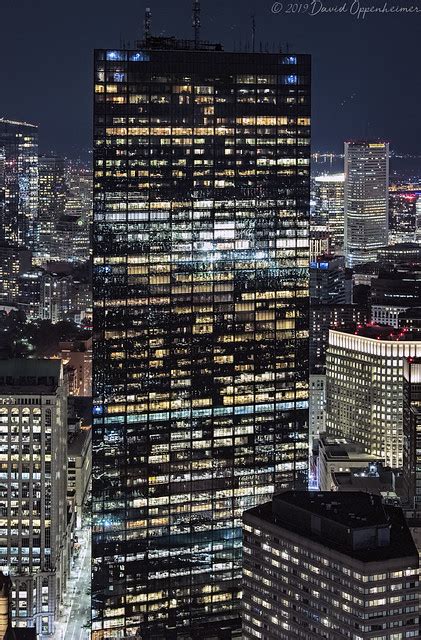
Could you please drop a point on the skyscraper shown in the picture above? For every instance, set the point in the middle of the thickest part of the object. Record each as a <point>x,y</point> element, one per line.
<point>329,209</point>
<point>33,473</point>
<point>51,201</point>
<point>327,280</point>
<point>19,164</point>
<point>329,565</point>
<point>365,387</point>
<point>201,217</point>
<point>366,200</point>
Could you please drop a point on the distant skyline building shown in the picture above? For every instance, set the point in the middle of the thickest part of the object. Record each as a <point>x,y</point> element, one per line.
<point>19,169</point>
<point>365,388</point>
<point>51,205</point>
<point>329,565</point>
<point>329,207</point>
<point>405,225</point>
<point>201,221</point>
<point>76,226</point>
<point>33,474</point>
<point>14,262</point>
<point>366,200</point>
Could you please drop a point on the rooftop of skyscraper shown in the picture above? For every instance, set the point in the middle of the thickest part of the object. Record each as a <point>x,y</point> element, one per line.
<point>355,523</point>
<point>335,177</point>
<point>343,448</point>
<point>26,374</point>
<point>171,43</point>
<point>381,332</point>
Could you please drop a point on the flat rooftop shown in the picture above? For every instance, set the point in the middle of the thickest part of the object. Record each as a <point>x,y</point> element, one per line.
<point>381,332</point>
<point>343,449</point>
<point>27,375</point>
<point>345,519</point>
<point>352,510</point>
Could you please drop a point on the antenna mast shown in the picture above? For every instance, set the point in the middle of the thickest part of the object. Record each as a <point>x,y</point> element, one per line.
<point>196,21</point>
<point>253,32</point>
<point>147,23</point>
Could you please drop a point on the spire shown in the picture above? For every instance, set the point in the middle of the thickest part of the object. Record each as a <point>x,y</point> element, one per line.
<point>196,21</point>
<point>147,23</point>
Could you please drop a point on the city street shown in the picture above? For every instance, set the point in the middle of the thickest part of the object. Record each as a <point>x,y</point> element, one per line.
<point>77,602</point>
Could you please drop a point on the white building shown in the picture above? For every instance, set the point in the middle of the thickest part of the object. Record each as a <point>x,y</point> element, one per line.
<point>365,388</point>
<point>386,314</point>
<point>366,200</point>
<point>33,477</point>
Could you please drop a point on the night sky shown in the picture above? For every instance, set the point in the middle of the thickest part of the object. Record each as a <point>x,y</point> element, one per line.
<point>366,73</point>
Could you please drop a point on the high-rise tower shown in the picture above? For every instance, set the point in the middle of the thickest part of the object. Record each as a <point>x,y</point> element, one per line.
<point>366,200</point>
<point>18,183</point>
<point>201,214</point>
<point>52,201</point>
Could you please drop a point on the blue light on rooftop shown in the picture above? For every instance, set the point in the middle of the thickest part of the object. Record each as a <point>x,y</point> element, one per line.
<point>139,56</point>
<point>115,55</point>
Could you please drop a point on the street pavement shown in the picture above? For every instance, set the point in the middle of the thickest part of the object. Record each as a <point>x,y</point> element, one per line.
<point>76,611</point>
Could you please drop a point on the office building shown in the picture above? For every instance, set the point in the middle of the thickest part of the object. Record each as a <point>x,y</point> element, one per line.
<point>402,253</point>
<point>365,387</point>
<point>19,167</point>
<point>76,356</point>
<point>201,215</point>
<point>317,408</point>
<point>79,470</point>
<point>7,631</point>
<point>329,208</point>
<point>329,565</point>
<point>375,479</point>
<point>412,432</point>
<point>14,262</point>
<point>76,226</point>
<point>327,280</point>
<point>404,222</point>
<point>320,241</point>
<point>366,200</point>
<point>74,238</point>
<point>51,205</point>
<point>331,316</point>
<point>339,455</point>
<point>56,296</point>
<point>411,319</point>
<point>33,472</point>
<point>394,292</point>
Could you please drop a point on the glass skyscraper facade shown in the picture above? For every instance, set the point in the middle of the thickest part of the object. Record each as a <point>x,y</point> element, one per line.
<point>201,216</point>
<point>51,204</point>
<point>329,210</point>
<point>18,183</point>
<point>366,200</point>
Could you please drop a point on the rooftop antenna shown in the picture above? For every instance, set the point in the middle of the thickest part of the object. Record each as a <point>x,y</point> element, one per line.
<point>196,21</point>
<point>253,32</point>
<point>147,23</point>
